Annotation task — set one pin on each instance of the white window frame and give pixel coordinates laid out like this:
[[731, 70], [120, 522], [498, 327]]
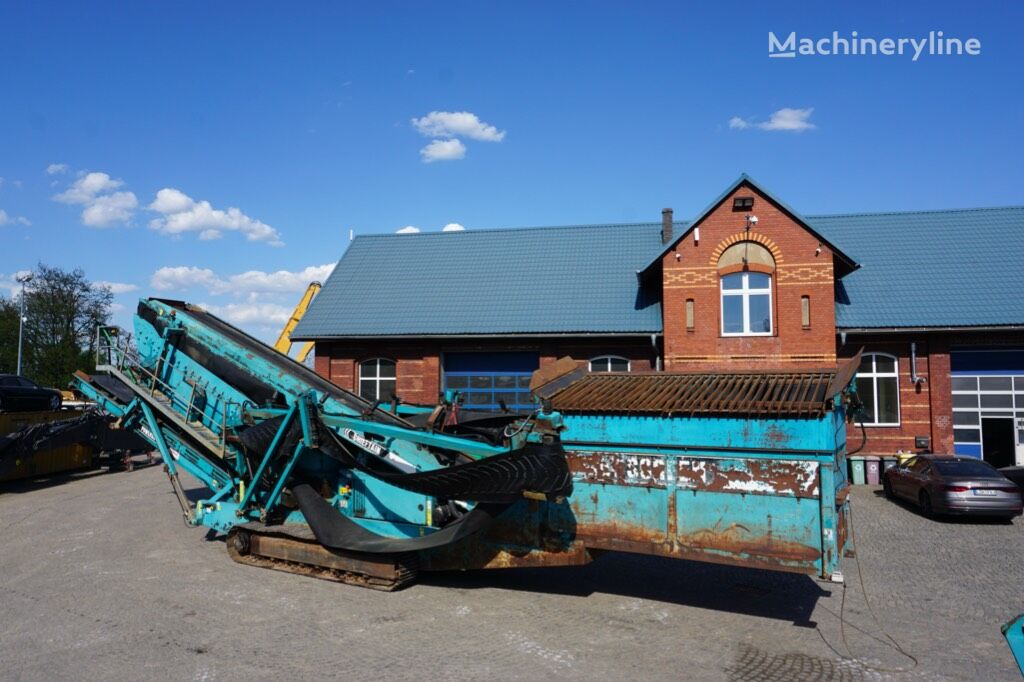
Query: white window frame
[[875, 375], [745, 293], [376, 378], [590, 363]]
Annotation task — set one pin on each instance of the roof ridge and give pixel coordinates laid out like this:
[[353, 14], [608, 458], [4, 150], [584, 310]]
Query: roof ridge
[[477, 230], [976, 209]]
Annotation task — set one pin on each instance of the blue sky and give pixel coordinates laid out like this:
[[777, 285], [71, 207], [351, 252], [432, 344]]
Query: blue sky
[[300, 117]]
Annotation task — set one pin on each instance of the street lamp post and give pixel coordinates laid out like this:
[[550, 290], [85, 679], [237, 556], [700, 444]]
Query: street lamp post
[[23, 279]]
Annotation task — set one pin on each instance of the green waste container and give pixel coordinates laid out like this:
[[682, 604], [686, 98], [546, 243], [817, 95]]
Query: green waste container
[[857, 470], [889, 461]]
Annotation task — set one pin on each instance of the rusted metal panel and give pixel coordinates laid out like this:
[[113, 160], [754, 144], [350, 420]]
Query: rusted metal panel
[[749, 476], [614, 468], [750, 394]]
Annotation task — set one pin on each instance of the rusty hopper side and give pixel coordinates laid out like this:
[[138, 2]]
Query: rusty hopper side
[[737, 468]]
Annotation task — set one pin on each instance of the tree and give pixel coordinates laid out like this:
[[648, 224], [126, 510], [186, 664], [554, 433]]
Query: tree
[[8, 335], [62, 310]]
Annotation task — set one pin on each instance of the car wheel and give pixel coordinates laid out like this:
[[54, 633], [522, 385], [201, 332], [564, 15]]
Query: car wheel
[[924, 500], [887, 488], [55, 402]]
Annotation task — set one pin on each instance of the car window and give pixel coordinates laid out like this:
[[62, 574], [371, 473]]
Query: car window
[[964, 467], [25, 383], [909, 464], [8, 381], [920, 466]]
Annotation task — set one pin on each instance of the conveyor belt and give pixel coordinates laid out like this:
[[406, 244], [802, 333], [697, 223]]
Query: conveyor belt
[[257, 390]]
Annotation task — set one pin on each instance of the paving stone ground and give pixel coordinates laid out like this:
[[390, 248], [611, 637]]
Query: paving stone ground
[[100, 579]]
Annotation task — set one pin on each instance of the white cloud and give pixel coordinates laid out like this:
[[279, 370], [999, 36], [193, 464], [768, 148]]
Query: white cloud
[[457, 124], [108, 209], [170, 200], [247, 283], [116, 287], [85, 188], [251, 313], [791, 120], [452, 227], [103, 205], [7, 219], [183, 277], [443, 150], [57, 169], [408, 229], [182, 214]]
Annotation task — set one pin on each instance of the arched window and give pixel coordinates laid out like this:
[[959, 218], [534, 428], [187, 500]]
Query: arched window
[[609, 363], [878, 385], [377, 379], [747, 304]]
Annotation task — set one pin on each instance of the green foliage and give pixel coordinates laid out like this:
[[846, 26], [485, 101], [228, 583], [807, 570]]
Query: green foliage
[[8, 335], [62, 310]]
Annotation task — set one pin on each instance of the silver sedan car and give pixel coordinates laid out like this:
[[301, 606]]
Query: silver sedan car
[[953, 485]]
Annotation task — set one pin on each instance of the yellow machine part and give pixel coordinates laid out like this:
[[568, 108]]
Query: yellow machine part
[[284, 341], [66, 458]]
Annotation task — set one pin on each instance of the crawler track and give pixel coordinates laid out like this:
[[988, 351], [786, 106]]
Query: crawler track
[[294, 549]]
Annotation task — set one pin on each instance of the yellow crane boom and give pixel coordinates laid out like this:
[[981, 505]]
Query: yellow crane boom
[[284, 341]]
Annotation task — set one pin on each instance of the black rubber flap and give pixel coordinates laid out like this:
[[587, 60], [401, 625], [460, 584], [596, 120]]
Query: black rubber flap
[[336, 531]]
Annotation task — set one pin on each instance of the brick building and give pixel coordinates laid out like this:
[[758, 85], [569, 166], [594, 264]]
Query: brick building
[[934, 298]]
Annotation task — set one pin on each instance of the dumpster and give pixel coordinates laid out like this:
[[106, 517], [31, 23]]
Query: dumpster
[[857, 470], [871, 470], [889, 461]]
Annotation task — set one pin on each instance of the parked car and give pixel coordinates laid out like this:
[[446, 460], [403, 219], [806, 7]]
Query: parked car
[[953, 485], [18, 394], [1015, 474]]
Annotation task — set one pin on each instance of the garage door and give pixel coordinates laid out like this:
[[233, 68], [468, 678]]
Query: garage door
[[485, 379], [988, 405]]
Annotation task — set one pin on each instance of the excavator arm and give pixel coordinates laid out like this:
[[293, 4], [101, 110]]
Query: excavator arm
[[284, 340]]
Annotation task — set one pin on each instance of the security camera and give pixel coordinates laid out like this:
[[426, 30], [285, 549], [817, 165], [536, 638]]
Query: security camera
[[752, 219]]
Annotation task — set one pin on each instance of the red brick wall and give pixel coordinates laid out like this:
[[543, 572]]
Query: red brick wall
[[928, 409], [418, 361], [925, 408], [690, 272]]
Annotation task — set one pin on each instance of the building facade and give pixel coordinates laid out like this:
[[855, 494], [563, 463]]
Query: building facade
[[933, 298]]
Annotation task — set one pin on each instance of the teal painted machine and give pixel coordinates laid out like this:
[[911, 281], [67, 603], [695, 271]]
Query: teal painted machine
[[306, 477]]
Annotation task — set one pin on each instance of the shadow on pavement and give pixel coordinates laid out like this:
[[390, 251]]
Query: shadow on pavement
[[748, 591]]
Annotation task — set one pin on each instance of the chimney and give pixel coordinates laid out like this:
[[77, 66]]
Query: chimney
[[666, 225]]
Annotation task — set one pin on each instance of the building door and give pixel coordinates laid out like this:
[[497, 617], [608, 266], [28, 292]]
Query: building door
[[997, 436], [488, 380], [988, 396]]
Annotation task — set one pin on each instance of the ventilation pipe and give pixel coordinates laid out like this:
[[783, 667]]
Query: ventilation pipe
[[913, 365], [657, 355]]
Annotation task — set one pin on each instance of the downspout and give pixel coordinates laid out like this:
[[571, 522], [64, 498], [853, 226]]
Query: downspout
[[913, 365], [657, 355]]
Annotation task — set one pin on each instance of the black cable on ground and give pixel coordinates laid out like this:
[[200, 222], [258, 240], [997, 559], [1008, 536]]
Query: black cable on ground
[[892, 643]]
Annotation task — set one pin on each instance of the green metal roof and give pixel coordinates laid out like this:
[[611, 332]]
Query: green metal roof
[[955, 268]]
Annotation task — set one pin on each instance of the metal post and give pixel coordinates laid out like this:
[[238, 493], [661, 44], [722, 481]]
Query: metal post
[[24, 279]]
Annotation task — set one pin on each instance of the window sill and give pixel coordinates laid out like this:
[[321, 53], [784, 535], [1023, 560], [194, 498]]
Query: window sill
[[737, 336], [880, 426]]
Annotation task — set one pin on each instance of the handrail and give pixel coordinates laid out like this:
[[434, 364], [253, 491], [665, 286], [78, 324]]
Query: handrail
[[120, 354]]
